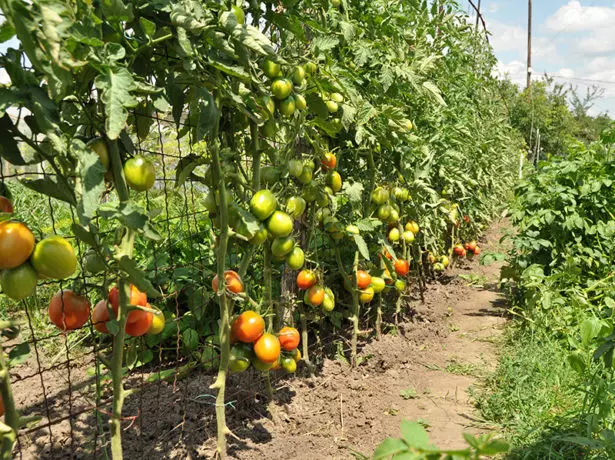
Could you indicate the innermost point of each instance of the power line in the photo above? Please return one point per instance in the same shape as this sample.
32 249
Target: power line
568 25
591 80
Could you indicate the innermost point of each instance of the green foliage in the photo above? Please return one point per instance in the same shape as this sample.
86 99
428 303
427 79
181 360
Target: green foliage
559 274
414 444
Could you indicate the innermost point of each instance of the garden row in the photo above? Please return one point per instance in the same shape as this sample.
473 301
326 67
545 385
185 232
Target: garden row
341 155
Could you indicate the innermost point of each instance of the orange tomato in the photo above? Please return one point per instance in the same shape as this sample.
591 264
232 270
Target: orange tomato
402 267
68 310
16 244
248 327
289 338
314 296
476 251
306 279
100 316
139 322
232 280
267 348
136 298
364 279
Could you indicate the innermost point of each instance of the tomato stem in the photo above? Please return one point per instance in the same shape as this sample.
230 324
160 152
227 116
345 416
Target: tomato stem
126 249
9 431
224 303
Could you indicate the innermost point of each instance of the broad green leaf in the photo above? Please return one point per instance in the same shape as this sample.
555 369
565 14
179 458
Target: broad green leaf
389 447
19 354
190 339
434 91
361 246
9 150
137 277
116 86
91 174
47 186
414 434
7 31
116 9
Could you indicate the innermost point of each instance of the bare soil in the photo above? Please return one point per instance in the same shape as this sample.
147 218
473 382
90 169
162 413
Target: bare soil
421 369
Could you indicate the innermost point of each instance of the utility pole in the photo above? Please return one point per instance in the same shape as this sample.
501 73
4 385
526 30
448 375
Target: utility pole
477 14
529 43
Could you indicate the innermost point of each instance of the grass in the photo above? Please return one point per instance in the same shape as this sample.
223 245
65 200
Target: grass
531 396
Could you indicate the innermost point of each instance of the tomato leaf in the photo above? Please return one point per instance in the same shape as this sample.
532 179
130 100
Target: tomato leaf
9 150
116 9
19 354
361 246
92 181
389 447
117 87
137 277
7 31
190 339
83 234
414 434
48 187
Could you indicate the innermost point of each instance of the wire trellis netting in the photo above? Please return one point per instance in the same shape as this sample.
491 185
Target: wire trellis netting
60 378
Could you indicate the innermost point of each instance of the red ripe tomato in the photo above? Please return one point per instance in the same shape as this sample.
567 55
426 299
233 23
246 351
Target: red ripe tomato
267 348
6 205
136 298
459 250
289 338
364 279
306 279
329 161
248 327
232 280
388 255
476 251
100 316
471 246
402 267
68 310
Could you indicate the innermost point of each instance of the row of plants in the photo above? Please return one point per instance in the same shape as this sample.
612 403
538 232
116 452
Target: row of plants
560 277
337 156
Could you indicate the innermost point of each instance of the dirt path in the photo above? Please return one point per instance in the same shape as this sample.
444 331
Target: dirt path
421 373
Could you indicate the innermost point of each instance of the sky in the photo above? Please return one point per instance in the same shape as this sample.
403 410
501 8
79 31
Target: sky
573 41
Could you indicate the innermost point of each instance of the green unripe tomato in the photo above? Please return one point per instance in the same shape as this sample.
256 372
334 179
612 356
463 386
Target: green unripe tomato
296 258
270 175
334 180
408 237
93 263
378 284
295 206
337 97
306 176
99 146
270 129
311 68
282 246
239 14
353 229
384 212
211 201
140 173
322 200
287 106
393 216
298 75
380 195
300 102
400 285
289 365
328 303
260 236
336 3
239 360
295 168
280 224
263 204
259 365
322 214
19 282
394 235
332 106
310 192
271 68
281 88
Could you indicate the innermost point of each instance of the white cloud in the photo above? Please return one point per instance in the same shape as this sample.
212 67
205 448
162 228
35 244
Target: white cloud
514 38
493 7
564 72
514 70
601 41
575 17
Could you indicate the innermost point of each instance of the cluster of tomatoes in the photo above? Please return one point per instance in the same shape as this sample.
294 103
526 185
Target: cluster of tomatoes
24 260
139 322
263 350
315 294
469 250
